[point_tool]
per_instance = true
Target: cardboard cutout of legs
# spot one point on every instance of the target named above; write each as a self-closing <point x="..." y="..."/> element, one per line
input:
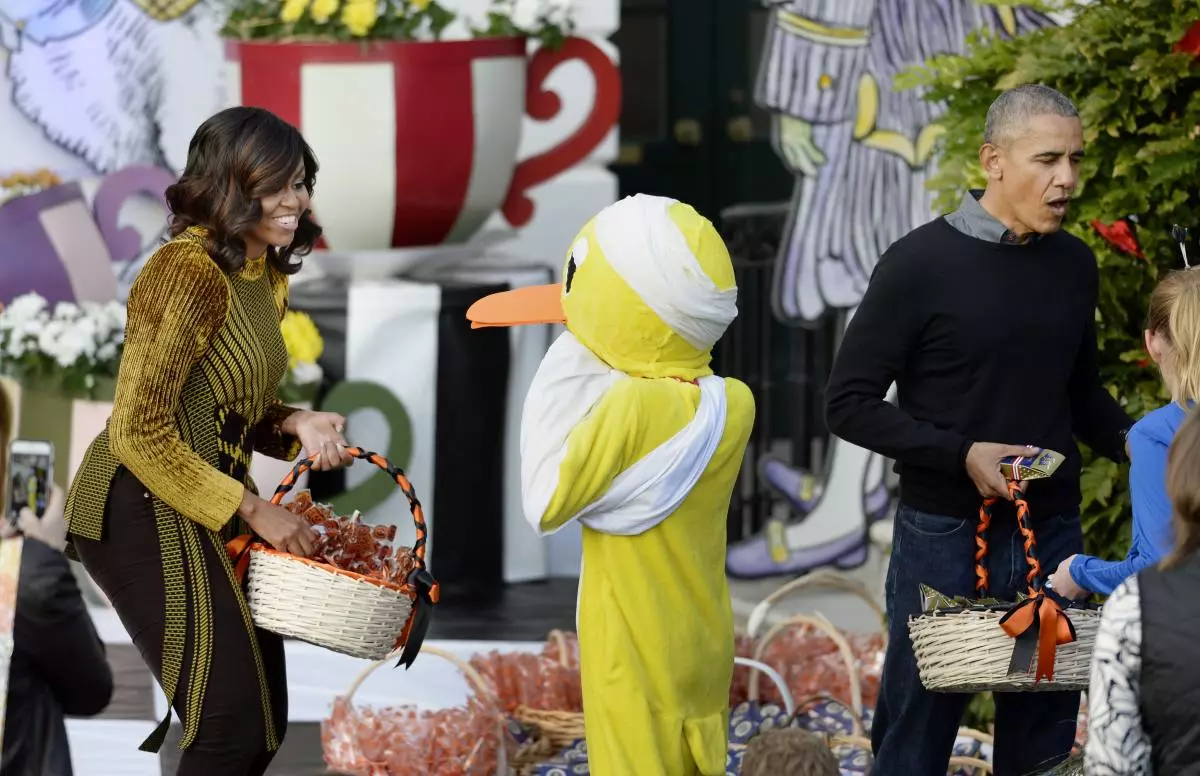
<point x="862" y="153"/>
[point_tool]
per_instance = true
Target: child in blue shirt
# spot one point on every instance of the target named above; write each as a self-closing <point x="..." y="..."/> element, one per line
<point x="1173" y="341"/>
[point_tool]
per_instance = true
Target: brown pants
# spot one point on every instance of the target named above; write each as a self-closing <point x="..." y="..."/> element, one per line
<point x="127" y="566"/>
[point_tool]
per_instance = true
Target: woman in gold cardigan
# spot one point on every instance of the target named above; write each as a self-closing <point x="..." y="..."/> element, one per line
<point x="167" y="483"/>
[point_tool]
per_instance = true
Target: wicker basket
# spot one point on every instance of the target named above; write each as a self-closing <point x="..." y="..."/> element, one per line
<point x="818" y="621"/>
<point x="559" y="728"/>
<point x="481" y="686"/>
<point x="968" y="652"/>
<point x="340" y="610"/>
<point x="967" y="648"/>
<point x="828" y="579"/>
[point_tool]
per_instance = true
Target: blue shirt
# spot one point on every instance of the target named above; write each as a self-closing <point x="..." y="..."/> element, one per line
<point x="1153" y="537"/>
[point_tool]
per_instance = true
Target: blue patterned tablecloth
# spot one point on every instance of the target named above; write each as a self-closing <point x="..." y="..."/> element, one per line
<point x="827" y="717"/>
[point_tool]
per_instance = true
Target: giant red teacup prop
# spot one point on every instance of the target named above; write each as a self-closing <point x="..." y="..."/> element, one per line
<point x="417" y="141"/>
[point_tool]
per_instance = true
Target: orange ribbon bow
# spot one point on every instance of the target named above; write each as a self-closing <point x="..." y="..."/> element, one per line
<point x="1038" y="620"/>
<point x="239" y="553"/>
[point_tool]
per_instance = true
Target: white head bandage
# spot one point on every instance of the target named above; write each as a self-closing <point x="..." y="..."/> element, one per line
<point x="644" y="245"/>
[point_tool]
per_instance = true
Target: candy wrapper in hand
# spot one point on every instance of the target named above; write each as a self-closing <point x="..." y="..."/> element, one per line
<point x="1036" y="467"/>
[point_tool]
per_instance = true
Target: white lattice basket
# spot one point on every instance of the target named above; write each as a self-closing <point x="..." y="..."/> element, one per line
<point x="315" y="603"/>
<point x="339" y="610"/>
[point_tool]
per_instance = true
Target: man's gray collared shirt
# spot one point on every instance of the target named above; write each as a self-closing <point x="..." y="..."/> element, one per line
<point x="973" y="220"/>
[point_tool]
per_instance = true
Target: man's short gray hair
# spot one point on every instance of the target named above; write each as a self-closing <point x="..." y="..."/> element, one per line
<point x="1015" y="108"/>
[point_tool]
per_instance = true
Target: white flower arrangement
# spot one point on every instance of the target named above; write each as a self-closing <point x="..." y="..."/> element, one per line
<point x="75" y="349"/>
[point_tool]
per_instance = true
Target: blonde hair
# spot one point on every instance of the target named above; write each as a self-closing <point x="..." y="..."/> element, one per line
<point x="789" y="751"/>
<point x="1183" y="488"/>
<point x="1175" y="316"/>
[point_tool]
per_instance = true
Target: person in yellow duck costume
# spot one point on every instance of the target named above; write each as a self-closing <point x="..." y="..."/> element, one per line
<point x="626" y="429"/>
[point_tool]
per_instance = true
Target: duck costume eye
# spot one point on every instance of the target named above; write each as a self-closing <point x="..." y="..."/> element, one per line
<point x="532" y="304"/>
<point x="579" y="254"/>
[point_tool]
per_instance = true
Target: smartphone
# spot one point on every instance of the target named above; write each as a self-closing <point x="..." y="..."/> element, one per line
<point x="30" y="472"/>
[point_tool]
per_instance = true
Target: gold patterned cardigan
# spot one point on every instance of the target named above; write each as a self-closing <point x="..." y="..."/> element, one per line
<point x="196" y="396"/>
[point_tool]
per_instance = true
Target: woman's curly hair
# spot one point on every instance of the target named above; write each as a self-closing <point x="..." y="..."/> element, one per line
<point x="236" y="158"/>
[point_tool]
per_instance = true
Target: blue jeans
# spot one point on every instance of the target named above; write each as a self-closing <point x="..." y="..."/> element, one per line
<point x="914" y="730"/>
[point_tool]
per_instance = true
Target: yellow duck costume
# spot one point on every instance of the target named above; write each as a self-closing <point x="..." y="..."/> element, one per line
<point x="627" y="430"/>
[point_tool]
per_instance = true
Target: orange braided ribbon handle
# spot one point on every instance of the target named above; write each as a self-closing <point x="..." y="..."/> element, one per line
<point x="981" y="546"/>
<point x="1032" y="577"/>
<point x="395" y="472"/>
<point x="981" y="541"/>
<point x="1038" y="621"/>
<point x="421" y="584"/>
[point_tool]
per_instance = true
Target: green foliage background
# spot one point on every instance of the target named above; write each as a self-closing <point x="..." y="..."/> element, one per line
<point x="1140" y="106"/>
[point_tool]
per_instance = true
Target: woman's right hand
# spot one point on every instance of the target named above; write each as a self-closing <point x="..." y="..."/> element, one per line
<point x="278" y="527"/>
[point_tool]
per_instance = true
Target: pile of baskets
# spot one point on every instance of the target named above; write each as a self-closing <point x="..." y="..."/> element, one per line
<point x="843" y="711"/>
<point x="524" y="715"/>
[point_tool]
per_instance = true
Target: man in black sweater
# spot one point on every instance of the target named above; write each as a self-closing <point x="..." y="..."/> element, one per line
<point x="985" y="321"/>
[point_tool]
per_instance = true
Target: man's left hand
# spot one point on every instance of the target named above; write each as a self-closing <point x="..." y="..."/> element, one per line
<point x="320" y="433"/>
<point x="1064" y="584"/>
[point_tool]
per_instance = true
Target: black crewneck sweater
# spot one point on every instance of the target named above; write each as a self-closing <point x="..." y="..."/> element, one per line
<point x="986" y="342"/>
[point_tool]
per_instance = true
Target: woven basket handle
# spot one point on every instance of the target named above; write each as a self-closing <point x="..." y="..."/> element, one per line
<point x="822" y="578"/>
<point x="560" y="639"/>
<point x="785" y="692"/>
<point x="395" y="472"/>
<point x="820" y="623"/>
<point x="978" y="735"/>
<point x="981" y="767"/>
<point x="482" y="687"/>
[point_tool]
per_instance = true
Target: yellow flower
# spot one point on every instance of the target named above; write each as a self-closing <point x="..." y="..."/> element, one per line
<point x="359" y="16"/>
<point x="293" y="10"/>
<point x="323" y="9"/>
<point x="300" y="335"/>
<point x="420" y="5"/>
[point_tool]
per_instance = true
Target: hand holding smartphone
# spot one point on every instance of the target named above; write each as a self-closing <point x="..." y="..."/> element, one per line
<point x="30" y="473"/>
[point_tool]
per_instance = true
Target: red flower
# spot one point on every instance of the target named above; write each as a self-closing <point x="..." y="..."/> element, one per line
<point x="1190" y="42"/>
<point x="1144" y="362"/>
<point x="1120" y="236"/>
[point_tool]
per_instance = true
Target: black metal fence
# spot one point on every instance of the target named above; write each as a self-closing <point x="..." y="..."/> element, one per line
<point x="785" y="366"/>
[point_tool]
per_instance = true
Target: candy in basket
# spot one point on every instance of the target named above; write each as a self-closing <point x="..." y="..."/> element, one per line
<point x="470" y="740"/>
<point x="357" y="595"/>
<point x="1039" y="642"/>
